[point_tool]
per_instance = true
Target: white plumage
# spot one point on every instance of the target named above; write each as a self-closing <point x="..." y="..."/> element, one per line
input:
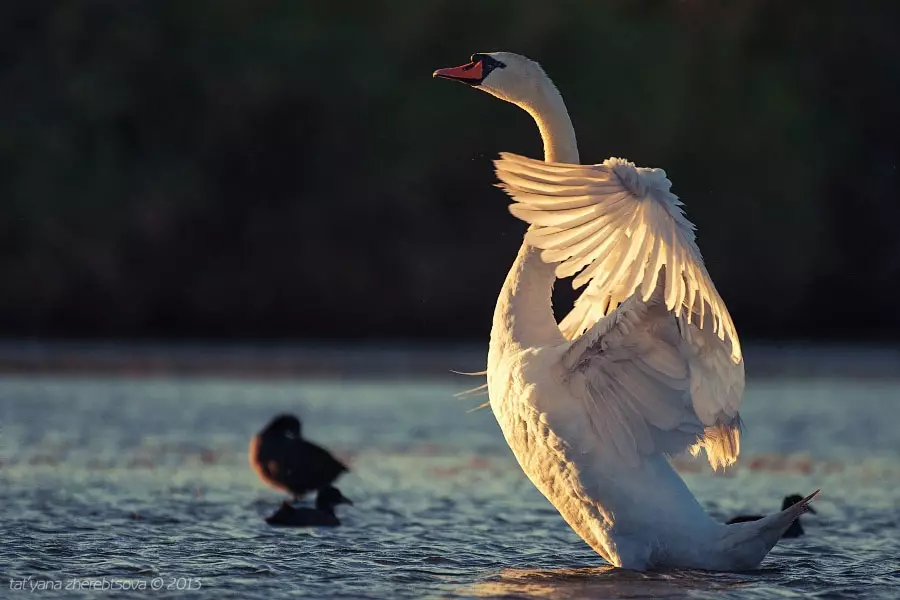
<point x="626" y="233"/>
<point x="618" y="225"/>
<point x="647" y="364"/>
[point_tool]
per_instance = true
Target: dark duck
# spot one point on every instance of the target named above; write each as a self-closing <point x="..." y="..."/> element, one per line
<point x="284" y="460"/>
<point x="795" y="530"/>
<point x="320" y="516"/>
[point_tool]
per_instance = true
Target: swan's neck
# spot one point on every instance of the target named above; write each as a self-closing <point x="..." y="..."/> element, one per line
<point x="549" y="112"/>
<point x="523" y="316"/>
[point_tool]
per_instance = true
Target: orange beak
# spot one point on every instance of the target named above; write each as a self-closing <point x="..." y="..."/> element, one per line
<point x="470" y="73"/>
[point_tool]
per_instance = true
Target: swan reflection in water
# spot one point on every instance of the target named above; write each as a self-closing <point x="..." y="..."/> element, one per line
<point x="601" y="582"/>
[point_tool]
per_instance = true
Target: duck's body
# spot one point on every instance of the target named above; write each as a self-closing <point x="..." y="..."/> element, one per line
<point x="593" y="406"/>
<point x="795" y="530"/>
<point x="284" y="460"/>
<point x="322" y="515"/>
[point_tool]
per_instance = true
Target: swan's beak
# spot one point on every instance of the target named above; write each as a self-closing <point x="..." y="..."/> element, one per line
<point x="471" y="73"/>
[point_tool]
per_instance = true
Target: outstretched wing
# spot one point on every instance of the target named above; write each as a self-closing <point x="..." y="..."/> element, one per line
<point x="654" y="355"/>
<point x="616" y="226"/>
<point x="649" y="389"/>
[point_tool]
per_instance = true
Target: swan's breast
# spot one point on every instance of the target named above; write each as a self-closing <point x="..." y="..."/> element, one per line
<point x="543" y="454"/>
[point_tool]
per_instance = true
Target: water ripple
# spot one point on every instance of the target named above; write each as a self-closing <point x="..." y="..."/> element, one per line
<point x="115" y="478"/>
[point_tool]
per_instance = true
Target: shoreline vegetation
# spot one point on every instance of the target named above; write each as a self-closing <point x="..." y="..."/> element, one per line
<point x="379" y="361"/>
<point x="197" y="170"/>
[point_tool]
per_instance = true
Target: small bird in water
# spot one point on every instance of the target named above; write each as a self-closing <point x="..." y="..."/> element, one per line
<point x="320" y="516"/>
<point x="284" y="460"/>
<point x="795" y="530"/>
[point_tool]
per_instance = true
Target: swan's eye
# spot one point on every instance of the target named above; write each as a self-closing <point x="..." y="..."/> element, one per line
<point x="493" y="63"/>
<point x="476" y="57"/>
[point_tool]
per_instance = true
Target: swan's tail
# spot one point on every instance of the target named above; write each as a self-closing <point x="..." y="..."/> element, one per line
<point x="764" y="533"/>
<point x="774" y="526"/>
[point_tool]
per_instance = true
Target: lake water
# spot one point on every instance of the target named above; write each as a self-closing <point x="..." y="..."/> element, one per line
<point x="135" y="480"/>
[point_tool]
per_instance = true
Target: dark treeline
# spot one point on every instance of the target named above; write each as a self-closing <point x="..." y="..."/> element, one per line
<point x="261" y="169"/>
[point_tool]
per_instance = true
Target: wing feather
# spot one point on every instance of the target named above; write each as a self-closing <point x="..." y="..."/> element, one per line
<point x="615" y="227"/>
<point x="641" y="260"/>
<point x="583" y="248"/>
<point x="555" y="203"/>
<point x="654" y="263"/>
<point x="653" y="353"/>
<point x="649" y="389"/>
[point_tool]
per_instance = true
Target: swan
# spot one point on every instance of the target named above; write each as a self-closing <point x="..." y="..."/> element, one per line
<point x="647" y="364"/>
<point x="795" y="530"/>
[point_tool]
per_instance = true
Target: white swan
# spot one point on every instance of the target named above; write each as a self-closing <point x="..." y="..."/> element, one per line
<point x="646" y="365"/>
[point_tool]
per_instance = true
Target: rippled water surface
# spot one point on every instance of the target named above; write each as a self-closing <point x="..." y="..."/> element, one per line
<point x="137" y="480"/>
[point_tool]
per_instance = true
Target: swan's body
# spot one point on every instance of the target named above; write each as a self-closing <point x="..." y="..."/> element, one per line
<point x="795" y="530"/>
<point x="646" y="365"/>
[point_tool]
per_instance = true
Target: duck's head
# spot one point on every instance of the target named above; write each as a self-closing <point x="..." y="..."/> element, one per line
<point x="283" y="426"/>
<point x="330" y="497"/>
<point x="508" y="76"/>
<point x="793" y="499"/>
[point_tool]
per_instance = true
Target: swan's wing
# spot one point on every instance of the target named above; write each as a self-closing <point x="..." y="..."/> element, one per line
<point x="717" y="388"/>
<point x="616" y="226"/>
<point x="649" y="388"/>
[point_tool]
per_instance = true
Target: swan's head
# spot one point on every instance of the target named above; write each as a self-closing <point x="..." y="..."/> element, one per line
<point x="506" y="75"/>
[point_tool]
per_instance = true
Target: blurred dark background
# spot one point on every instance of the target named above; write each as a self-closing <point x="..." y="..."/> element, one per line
<point x="289" y="170"/>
